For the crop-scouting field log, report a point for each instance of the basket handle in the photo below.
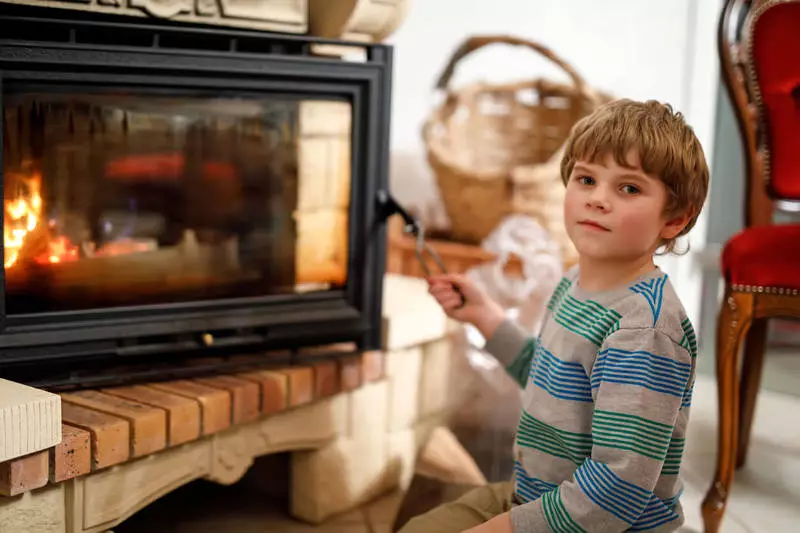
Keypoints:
(479, 41)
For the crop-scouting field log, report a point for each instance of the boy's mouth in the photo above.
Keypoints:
(591, 224)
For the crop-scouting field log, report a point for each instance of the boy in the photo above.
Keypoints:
(608, 381)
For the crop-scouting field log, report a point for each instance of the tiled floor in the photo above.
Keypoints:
(765, 497)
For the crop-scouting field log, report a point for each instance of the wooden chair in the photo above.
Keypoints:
(759, 49)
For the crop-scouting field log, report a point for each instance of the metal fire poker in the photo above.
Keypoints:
(413, 227)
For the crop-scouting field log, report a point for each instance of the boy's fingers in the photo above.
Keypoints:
(451, 279)
(440, 290)
(451, 302)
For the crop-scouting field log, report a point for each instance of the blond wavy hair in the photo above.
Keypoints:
(667, 147)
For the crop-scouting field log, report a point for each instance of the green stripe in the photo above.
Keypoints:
(533, 433)
(587, 319)
(558, 293)
(672, 462)
(689, 340)
(520, 367)
(632, 433)
(556, 514)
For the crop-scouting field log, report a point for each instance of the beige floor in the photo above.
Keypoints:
(765, 498)
(766, 494)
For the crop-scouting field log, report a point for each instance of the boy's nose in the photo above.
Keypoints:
(598, 199)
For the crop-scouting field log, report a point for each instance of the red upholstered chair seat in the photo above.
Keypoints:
(767, 256)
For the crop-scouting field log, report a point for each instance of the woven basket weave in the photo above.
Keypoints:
(485, 143)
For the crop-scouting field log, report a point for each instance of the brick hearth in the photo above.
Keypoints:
(354, 427)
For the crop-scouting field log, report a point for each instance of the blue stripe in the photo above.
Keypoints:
(562, 379)
(621, 498)
(671, 502)
(687, 397)
(653, 292)
(657, 513)
(645, 366)
(642, 369)
(530, 488)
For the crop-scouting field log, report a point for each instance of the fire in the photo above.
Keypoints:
(59, 250)
(21, 216)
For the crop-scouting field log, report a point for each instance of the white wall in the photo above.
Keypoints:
(633, 48)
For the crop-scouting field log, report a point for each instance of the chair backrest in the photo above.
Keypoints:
(759, 50)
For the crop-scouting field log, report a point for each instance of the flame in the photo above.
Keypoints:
(59, 250)
(21, 216)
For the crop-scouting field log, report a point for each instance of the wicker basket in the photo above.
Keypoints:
(485, 142)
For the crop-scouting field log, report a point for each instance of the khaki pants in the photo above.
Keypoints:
(472, 509)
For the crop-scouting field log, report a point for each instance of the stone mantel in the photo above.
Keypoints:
(354, 20)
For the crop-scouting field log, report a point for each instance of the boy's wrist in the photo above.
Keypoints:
(489, 320)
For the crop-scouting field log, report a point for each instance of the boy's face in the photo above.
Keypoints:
(614, 213)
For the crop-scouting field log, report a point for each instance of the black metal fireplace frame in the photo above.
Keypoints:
(53, 48)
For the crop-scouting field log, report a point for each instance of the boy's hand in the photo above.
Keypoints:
(478, 309)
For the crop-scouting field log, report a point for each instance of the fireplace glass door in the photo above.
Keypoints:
(131, 198)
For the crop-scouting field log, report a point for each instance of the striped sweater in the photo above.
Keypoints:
(608, 383)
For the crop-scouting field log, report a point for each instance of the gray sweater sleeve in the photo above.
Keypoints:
(514, 348)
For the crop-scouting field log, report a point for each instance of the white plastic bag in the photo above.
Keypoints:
(523, 237)
(524, 298)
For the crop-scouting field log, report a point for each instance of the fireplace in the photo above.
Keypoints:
(181, 199)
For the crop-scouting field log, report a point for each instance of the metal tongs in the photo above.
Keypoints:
(414, 227)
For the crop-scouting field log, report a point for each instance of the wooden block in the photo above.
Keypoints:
(372, 365)
(183, 414)
(148, 424)
(30, 420)
(350, 372)
(72, 457)
(110, 435)
(326, 379)
(274, 389)
(245, 396)
(301, 385)
(215, 404)
(24, 474)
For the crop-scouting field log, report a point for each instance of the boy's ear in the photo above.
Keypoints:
(675, 224)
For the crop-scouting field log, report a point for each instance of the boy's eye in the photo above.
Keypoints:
(585, 180)
(630, 189)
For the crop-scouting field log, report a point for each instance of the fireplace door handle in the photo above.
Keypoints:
(388, 206)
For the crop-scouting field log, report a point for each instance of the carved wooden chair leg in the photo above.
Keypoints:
(733, 324)
(752, 367)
